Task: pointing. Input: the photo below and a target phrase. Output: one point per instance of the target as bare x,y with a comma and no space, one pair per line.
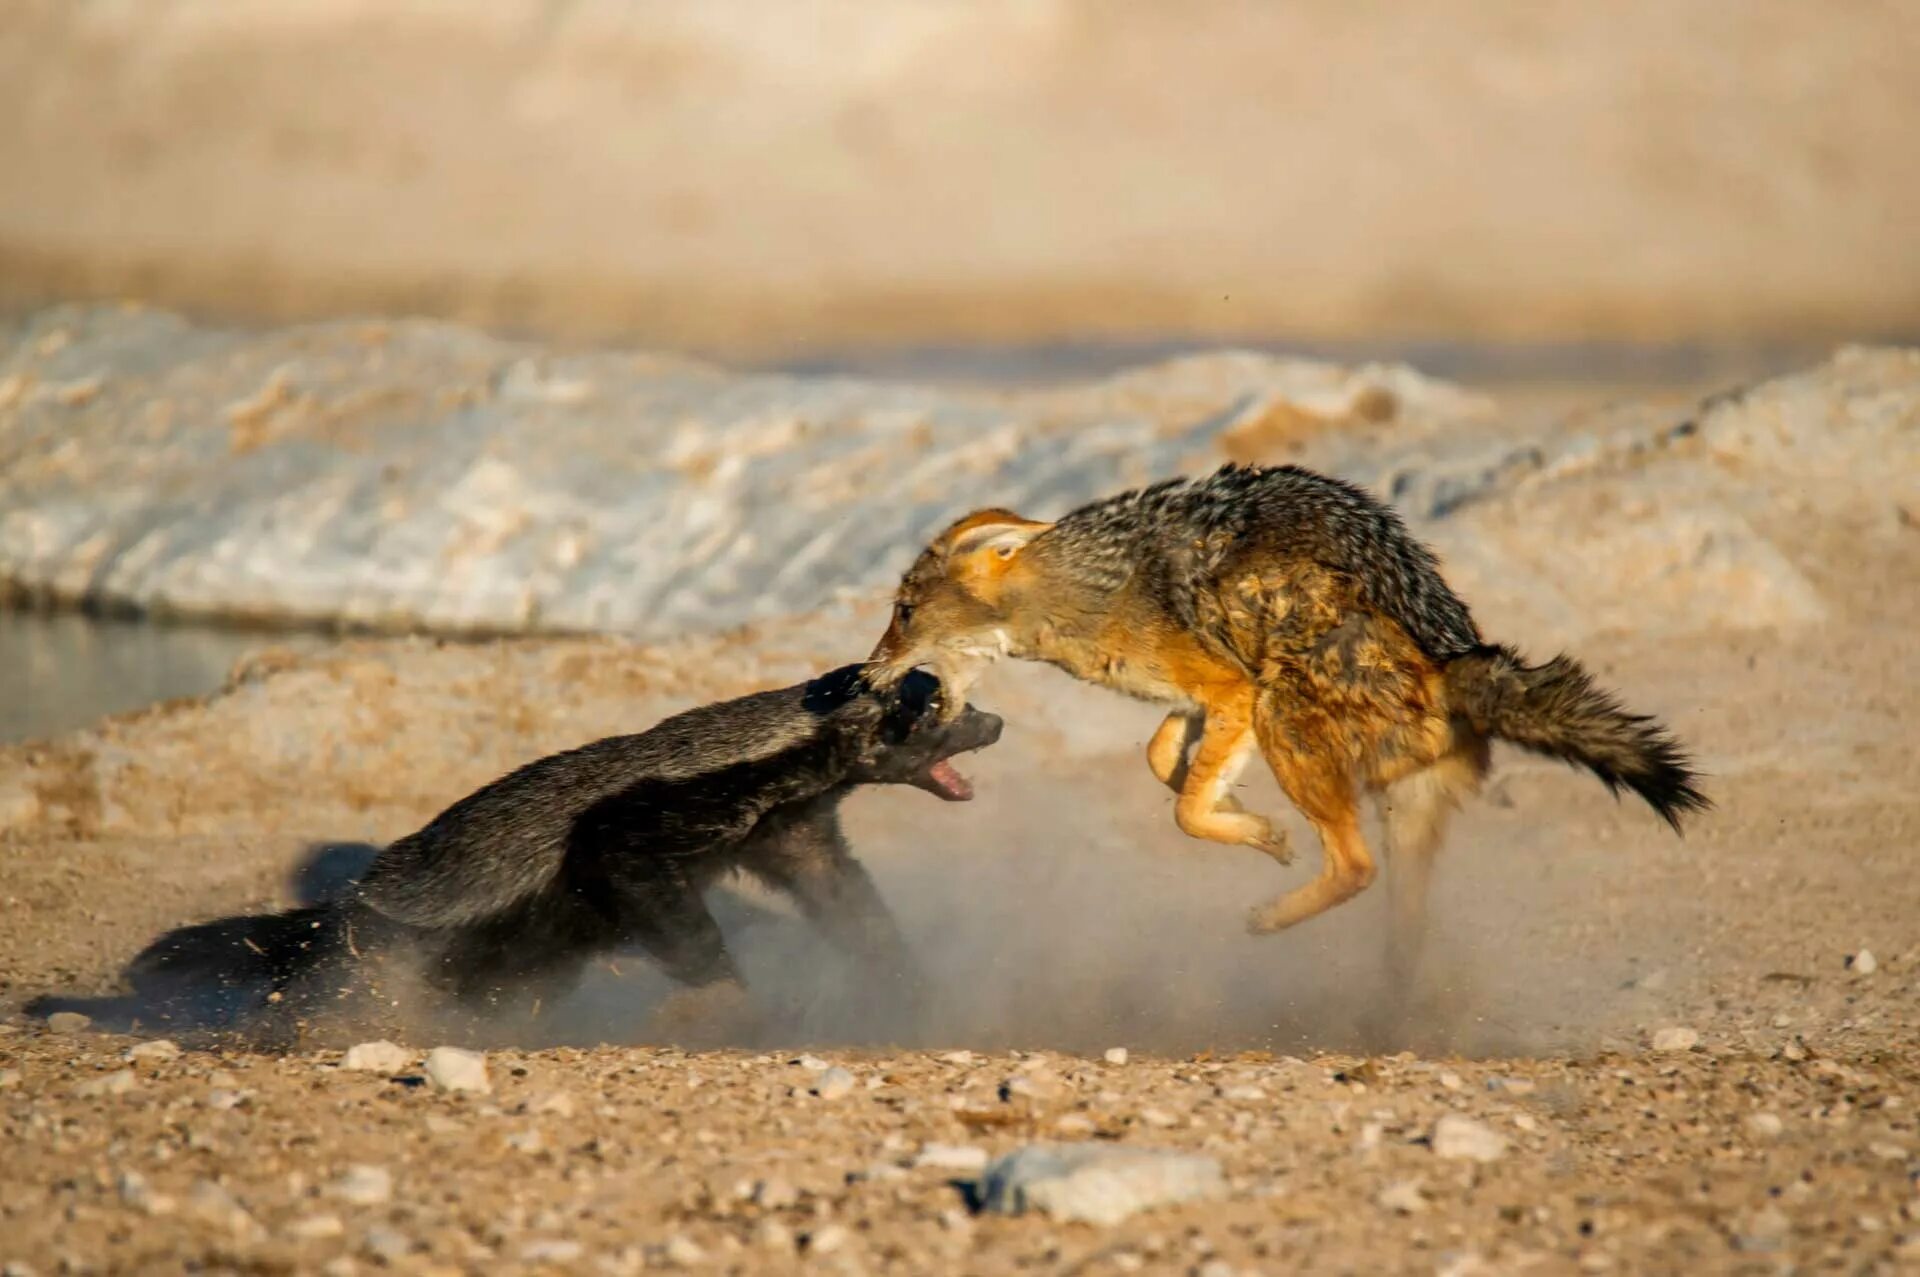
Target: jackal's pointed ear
992,535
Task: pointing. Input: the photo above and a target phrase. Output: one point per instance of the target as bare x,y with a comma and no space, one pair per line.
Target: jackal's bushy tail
1555,709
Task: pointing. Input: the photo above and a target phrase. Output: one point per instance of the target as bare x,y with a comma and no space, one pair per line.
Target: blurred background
1564,202
1646,189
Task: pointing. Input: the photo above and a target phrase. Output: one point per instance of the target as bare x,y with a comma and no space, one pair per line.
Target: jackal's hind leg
1318,780
1417,808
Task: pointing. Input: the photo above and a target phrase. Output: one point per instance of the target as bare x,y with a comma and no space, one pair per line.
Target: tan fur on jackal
1283,612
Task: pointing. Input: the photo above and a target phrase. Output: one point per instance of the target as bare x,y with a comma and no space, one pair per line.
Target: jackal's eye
903,613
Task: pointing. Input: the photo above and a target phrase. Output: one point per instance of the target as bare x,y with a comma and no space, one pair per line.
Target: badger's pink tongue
951,784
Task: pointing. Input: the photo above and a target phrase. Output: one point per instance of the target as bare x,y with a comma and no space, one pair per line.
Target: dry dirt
1063,915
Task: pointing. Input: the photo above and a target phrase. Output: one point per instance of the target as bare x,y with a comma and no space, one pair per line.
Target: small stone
957,1057
771,1234
1888,1151
1116,1055
67,1022
827,1239
315,1228
9,1078
560,1104
1038,1086
1159,1118
137,1193
213,1204
552,1250
1451,1080
526,1141
775,1194
1460,1138
1863,963
1675,1037
1402,1197
1096,1183
220,1099
1075,1125
812,1063
17,1268
452,1069
683,1252
159,1050
364,1185
1766,1126
118,1082
951,1157
1243,1094
834,1084
385,1245
1764,1230
376,1057
1215,1268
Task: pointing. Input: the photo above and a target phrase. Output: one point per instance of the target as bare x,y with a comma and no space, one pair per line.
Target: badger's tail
1555,709
256,953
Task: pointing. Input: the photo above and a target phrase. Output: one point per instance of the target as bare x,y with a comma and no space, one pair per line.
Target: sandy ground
1063,915
774,179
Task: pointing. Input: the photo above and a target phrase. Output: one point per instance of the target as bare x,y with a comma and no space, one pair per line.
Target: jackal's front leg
1205,809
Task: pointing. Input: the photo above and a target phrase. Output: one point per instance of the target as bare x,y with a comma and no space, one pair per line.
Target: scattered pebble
951,1157
1675,1037
1451,1080
827,1239
376,1057
316,1227
1116,1055
560,1104
553,1250
771,1234
364,1185
683,1252
220,1099
775,1194
1766,1125
9,1078
1402,1197
1863,963
118,1082
67,1022
1764,1230
386,1245
1040,1085
138,1194
813,1064
1458,1137
1158,1117
450,1068
160,1049
209,1202
957,1057
834,1084
1096,1183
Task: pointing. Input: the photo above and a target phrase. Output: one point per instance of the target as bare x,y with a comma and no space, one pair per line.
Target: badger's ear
991,535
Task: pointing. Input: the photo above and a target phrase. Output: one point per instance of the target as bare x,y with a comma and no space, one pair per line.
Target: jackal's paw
1273,842
1264,920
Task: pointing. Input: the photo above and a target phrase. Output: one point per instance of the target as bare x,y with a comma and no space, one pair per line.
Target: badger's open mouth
945,780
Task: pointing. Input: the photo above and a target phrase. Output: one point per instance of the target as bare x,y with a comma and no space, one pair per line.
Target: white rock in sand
1096,1183
1461,1138
1675,1037
376,1057
835,1083
450,1068
159,1049
364,1185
